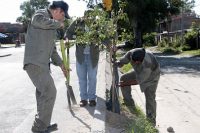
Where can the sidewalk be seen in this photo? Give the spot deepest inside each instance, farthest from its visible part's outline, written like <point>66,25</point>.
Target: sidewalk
<point>80,119</point>
<point>3,52</point>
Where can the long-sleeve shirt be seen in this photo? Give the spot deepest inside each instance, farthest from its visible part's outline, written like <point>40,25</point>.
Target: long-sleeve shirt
<point>147,73</point>
<point>40,40</point>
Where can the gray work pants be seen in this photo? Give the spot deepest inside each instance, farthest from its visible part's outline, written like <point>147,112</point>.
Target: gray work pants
<point>150,95</point>
<point>126,91</point>
<point>45,95</point>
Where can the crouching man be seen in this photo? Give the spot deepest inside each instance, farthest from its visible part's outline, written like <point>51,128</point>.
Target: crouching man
<point>146,73</point>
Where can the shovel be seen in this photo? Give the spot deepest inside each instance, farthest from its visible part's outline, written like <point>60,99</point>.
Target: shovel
<point>70,93</point>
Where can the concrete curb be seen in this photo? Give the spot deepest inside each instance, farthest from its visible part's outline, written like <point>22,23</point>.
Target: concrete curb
<point>98,124</point>
<point>103,119</point>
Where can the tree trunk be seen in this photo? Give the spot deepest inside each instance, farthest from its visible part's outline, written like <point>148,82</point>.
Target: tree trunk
<point>138,36</point>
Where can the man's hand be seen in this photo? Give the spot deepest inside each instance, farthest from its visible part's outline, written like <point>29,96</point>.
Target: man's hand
<point>121,84</point>
<point>127,83</point>
<point>65,71</point>
<point>118,63</point>
<point>114,48</point>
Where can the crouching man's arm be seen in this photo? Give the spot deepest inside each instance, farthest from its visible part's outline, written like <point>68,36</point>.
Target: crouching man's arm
<point>127,83</point>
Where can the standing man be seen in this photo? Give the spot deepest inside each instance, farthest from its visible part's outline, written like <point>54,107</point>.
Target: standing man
<point>40,48</point>
<point>146,73</point>
<point>87,57</point>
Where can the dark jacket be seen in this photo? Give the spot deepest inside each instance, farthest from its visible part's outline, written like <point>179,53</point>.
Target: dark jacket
<point>94,49</point>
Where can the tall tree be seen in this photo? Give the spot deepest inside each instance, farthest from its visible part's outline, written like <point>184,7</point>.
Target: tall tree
<point>187,5</point>
<point>28,9</point>
<point>145,14</point>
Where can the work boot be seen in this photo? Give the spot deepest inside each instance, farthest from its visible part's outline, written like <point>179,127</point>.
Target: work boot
<point>83,103</point>
<point>92,103</point>
<point>39,127</point>
<point>36,130</point>
<point>52,127</point>
<point>129,102</point>
<point>151,119</point>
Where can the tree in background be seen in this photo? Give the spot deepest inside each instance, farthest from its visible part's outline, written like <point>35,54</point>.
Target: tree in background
<point>145,15</point>
<point>138,17</point>
<point>187,5</point>
<point>28,9</point>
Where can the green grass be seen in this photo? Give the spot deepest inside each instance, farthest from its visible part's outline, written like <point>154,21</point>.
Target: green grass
<point>126,68</point>
<point>138,122</point>
<point>191,52</point>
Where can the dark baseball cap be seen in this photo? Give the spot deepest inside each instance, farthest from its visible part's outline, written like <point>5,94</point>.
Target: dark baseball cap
<point>63,5</point>
<point>138,54</point>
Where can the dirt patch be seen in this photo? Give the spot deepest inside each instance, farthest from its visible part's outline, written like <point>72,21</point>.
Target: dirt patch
<point>119,122</point>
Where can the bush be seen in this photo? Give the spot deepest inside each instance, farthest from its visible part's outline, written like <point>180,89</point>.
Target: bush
<point>163,43</point>
<point>176,46</point>
<point>149,39</point>
<point>185,47</point>
<point>170,50</point>
<point>190,39</point>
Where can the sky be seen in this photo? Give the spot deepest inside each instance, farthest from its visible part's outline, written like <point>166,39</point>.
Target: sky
<point>9,9</point>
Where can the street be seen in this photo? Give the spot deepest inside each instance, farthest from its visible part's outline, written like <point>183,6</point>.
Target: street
<point>178,100</point>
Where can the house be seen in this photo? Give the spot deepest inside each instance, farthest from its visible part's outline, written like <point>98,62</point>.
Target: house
<point>178,25</point>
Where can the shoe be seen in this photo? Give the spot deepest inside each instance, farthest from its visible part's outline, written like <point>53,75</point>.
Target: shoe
<point>52,127</point>
<point>46,131</point>
<point>92,103</point>
<point>38,126</point>
<point>36,130</point>
<point>83,103</point>
<point>129,103</point>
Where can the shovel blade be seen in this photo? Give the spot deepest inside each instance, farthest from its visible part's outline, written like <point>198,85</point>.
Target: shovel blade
<point>68,99</point>
<point>70,94</point>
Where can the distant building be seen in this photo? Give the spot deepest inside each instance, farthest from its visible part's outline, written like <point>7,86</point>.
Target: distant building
<point>177,25</point>
<point>15,32</point>
<point>180,22</point>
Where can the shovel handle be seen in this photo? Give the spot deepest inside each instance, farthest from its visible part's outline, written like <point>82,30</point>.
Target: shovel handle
<point>65,58</point>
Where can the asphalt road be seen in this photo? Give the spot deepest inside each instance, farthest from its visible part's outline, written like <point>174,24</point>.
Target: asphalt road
<point>16,93</point>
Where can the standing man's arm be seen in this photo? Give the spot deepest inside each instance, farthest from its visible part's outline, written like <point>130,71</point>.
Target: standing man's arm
<point>71,31</point>
<point>41,21</point>
<point>57,61</point>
